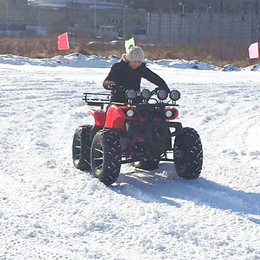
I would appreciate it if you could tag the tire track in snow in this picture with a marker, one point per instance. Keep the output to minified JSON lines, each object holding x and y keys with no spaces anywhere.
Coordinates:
{"x":151,"y":216}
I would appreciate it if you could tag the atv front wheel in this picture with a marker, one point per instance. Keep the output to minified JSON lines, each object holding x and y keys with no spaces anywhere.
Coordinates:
{"x":105,"y":156}
{"x":188,"y":154}
{"x":81,"y":148}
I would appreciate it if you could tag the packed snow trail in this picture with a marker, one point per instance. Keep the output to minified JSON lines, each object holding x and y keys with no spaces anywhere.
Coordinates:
{"x":50,"y":210}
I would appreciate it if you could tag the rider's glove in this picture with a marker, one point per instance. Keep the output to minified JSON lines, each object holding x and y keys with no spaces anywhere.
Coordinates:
{"x":114,"y":86}
{"x":111,"y":86}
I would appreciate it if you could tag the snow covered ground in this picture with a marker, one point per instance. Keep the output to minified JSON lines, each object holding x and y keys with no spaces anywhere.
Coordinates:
{"x":50,"y":210}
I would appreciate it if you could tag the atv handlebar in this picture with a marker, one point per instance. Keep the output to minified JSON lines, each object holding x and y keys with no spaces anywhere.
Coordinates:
{"x":153,"y":92}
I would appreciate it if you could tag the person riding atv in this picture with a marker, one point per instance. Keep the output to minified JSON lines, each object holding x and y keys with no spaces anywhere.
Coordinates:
{"x":127,"y":74}
{"x":134,"y":126}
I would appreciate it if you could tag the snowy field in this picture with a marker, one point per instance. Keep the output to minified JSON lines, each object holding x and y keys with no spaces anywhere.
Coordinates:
{"x":50,"y":210}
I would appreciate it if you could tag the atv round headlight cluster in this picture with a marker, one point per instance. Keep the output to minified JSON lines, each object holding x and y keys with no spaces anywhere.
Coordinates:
{"x":162,"y":94}
{"x":175,"y":95}
{"x":146,"y":94}
{"x":130,"y":94}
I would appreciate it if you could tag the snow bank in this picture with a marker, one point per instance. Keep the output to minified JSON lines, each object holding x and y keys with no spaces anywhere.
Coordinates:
{"x":81,"y":61}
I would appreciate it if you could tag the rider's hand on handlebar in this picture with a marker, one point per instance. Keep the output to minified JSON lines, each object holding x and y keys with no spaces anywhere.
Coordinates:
{"x":115,"y":86}
{"x":111,"y":86}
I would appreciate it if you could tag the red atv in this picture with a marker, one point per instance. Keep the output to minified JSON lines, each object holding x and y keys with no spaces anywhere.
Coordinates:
{"x":140,"y":131}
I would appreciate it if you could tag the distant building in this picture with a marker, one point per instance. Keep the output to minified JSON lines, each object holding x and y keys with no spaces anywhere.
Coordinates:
{"x":105,"y":31}
{"x":87,"y":17}
{"x":93,"y":18}
{"x":13,"y":16}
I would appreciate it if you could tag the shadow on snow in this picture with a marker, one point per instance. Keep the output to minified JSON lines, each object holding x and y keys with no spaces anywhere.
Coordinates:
{"x":164,"y":186}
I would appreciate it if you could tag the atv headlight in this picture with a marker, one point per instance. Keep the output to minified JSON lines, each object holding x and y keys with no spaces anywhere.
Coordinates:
{"x":146,"y":94}
{"x":130,"y":113}
{"x":130,"y":94}
{"x":168,"y":113}
{"x":175,"y":95}
{"x":162,"y":94}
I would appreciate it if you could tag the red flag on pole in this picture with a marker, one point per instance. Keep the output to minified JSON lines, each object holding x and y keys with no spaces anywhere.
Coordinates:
{"x":253,"y":51}
{"x":63,"y":42}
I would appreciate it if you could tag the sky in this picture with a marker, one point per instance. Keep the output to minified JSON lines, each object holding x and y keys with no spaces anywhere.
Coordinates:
{"x":51,"y":210}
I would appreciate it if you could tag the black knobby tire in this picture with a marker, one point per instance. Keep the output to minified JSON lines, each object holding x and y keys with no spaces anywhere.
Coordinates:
{"x":105,"y":156}
{"x":188,"y":156}
{"x":81,"y":147}
{"x":147,"y":165}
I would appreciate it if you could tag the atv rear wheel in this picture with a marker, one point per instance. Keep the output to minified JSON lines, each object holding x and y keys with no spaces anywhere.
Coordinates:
{"x":188,"y":155}
{"x":147,"y":165}
{"x":81,"y":147}
{"x":105,"y":156}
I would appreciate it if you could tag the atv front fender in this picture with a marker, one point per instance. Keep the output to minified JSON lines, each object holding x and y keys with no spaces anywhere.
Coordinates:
{"x":99,"y":116}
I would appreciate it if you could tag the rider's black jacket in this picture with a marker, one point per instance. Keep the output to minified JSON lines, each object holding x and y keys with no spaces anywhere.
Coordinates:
{"x":122,"y":74}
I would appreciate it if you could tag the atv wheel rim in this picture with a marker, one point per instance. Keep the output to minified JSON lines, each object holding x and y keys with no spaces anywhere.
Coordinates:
{"x":98,"y":159}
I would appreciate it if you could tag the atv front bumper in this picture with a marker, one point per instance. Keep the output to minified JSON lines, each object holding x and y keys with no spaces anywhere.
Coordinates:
{"x":146,"y":128}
